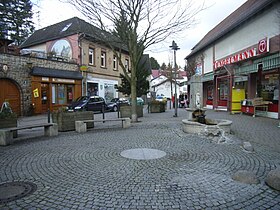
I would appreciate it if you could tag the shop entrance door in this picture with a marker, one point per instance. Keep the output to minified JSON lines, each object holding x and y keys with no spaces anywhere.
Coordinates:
{"x":45,"y":99}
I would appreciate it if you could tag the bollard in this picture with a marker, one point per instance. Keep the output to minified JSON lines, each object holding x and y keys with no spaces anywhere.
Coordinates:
{"x":103,"y":112}
{"x":49,"y":116}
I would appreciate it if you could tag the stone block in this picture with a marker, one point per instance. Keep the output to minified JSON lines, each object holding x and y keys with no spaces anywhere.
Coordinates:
{"x":6,"y":137}
{"x":51,"y":130}
{"x":247,"y":177}
{"x":80,"y":127}
{"x":273,"y":179}
{"x":248,"y":146}
{"x":126,"y":123}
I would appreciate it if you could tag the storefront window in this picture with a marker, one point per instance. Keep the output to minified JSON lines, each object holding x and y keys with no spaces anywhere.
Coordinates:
{"x":210,"y":92}
{"x":62,"y":94}
{"x":92,"y":89}
{"x":109,"y":91}
{"x":270,"y":88}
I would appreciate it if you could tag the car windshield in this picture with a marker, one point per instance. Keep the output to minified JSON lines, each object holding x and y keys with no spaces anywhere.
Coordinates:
{"x":114,"y":100}
{"x":82,"y":98}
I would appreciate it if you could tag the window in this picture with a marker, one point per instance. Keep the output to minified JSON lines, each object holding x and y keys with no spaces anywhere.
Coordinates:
{"x":126,"y":64}
{"x":62,"y":94}
{"x":91,"y":56}
{"x":103,"y":59}
{"x":115,"y":63}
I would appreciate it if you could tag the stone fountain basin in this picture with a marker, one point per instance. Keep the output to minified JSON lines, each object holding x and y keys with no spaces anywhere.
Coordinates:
{"x":191,"y":126}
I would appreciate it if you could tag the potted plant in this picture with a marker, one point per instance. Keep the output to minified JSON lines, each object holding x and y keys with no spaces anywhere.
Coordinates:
{"x":66,"y":120}
{"x":157,"y":106}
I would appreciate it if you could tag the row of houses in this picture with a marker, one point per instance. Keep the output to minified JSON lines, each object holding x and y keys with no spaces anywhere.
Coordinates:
{"x":57,"y":64}
{"x":239,"y":60}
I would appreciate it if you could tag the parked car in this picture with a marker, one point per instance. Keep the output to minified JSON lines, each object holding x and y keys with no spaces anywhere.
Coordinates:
{"x":88,"y":103}
{"x":161,"y":98}
{"x":115,"y":102}
{"x":139,"y":101}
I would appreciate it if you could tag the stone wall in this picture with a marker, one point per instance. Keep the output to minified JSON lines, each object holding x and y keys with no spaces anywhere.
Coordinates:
{"x":19,"y":69}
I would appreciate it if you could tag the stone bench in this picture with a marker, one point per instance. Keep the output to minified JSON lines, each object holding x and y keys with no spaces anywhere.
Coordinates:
{"x":6,"y":134}
{"x":81,"y":127}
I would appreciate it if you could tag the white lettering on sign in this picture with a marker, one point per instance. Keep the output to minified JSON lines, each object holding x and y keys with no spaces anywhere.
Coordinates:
{"x":63,"y":80}
{"x":235,"y":58}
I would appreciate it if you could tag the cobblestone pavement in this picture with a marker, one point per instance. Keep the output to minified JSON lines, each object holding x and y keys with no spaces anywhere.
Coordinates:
{"x":86,"y":171}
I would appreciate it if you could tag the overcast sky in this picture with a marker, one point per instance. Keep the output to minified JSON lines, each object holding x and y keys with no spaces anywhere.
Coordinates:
{"x":48,"y":12}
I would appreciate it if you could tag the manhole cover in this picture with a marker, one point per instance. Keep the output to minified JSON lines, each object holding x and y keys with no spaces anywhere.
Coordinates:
{"x":143,"y":154}
{"x":11,"y":191}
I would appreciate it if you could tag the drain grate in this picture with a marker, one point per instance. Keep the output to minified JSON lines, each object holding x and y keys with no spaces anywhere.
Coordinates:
{"x":11,"y":191}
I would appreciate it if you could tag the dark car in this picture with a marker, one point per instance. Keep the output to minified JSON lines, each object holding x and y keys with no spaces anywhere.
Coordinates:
{"x":88,"y":103}
{"x":115,"y":102}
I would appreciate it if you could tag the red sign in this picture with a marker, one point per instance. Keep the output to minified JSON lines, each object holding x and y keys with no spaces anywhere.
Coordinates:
{"x":263,"y":46}
{"x":235,"y":58}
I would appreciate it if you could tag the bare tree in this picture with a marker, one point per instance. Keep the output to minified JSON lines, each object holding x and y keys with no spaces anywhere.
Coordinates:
{"x":138,"y":24}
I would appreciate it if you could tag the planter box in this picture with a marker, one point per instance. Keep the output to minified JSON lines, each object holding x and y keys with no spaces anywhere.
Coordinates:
{"x":125,"y":111}
{"x":66,"y":120}
{"x":157,"y":107}
{"x":9,"y":123}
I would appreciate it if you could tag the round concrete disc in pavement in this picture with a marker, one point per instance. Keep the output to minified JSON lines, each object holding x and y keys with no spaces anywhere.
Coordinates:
{"x":143,"y":154}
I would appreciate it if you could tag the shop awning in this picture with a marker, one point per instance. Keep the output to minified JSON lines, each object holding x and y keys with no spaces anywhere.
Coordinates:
{"x":271,"y":62}
{"x":208,"y":77}
{"x":268,"y":63}
{"x":57,"y":73}
{"x":244,"y":70}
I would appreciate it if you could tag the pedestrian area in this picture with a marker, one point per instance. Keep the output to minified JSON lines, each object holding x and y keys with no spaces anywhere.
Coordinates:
{"x":151,"y":165}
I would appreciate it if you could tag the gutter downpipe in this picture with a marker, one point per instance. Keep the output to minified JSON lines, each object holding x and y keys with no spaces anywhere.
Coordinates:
{"x":81,"y":59}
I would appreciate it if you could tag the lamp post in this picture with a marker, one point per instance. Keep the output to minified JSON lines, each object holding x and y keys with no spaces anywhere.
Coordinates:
{"x":175,"y":48}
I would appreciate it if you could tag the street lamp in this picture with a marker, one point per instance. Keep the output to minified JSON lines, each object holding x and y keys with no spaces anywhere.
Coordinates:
{"x":175,"y":48}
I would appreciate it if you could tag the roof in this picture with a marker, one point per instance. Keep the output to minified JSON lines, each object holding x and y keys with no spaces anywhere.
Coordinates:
{"x":66,"y":28}
{"x":58,"y":73}
{"x":234,"y":20}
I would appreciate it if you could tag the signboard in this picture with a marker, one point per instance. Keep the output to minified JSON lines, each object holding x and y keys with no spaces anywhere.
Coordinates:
{"x":83,"y":68}
{"x":63,"y":80}
{"x":263,"y":46}
{"x":36,"y":93}
{"x":235,"y":58}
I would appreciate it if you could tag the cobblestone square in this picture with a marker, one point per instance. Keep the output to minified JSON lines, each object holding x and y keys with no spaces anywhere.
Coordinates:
{"x":87,"y":171}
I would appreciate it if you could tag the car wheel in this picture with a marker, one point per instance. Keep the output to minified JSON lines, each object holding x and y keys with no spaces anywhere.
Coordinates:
{"x":115,"y":108}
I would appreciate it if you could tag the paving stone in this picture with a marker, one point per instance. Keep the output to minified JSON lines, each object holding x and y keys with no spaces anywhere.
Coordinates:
{"x":87,"y":169}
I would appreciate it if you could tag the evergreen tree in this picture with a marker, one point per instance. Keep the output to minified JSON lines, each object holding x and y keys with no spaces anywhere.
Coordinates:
{"x":154,"y":63}
{"x":163,"y":66}
{"x":16,"y":20}
{"x":142,"y":72}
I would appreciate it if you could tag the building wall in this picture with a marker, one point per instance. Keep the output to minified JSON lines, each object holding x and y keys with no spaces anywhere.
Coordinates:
{"x":261,"y":26}
{"x":208,"y":60}
{"x":101,"y":76}
{"x":19,"y":69}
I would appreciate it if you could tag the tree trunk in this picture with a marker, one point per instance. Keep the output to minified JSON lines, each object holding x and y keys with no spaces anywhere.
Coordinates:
{"x":133,"y":95}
